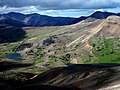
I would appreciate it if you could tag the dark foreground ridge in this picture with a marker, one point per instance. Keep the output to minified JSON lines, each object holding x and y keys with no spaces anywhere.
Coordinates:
{"x":73,"y":77}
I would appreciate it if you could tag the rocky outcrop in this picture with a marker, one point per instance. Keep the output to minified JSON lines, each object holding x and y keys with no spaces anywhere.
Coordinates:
{"x":49,"y":41}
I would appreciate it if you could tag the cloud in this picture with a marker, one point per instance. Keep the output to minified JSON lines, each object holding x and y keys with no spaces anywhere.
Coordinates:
{"x":65,"y":8}
{"x":62,"y":4}
{"x":29,"y":9}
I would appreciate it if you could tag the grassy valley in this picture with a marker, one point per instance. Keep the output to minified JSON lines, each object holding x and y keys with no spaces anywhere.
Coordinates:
{"x":83,"y":42}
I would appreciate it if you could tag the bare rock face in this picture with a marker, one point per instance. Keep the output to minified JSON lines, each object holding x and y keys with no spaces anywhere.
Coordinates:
{"x":111,"y":27}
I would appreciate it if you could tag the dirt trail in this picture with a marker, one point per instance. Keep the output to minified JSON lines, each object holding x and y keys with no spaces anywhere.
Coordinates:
{"x":85,"y":37}
{"x":75,"y":41}
{"x":93,"y":31}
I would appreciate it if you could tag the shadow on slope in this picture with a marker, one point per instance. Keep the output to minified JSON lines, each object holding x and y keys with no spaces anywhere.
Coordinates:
{"x":73,"y":77}
{"x":7,"y":65}
{"x":82,"y":76}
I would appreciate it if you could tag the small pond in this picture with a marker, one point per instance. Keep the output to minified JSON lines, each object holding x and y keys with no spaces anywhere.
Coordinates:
{"x":14,"y":56}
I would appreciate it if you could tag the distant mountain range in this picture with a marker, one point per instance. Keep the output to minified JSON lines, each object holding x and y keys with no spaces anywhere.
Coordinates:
{"x":33,"y":20}
{"x":18,"y":19}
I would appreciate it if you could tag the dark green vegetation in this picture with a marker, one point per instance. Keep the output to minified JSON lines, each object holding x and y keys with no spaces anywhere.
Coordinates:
{"x":10,"y":33}
{"x":106,"y":50}
{"x":7,"y":65}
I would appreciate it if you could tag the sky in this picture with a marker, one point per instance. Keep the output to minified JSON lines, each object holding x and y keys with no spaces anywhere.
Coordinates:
{"x":63,"y":8}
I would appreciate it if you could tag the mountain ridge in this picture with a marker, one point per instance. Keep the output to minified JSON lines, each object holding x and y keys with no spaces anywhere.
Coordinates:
{"x":35,"y":20}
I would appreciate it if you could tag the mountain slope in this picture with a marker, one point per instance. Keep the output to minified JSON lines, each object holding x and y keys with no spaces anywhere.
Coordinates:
{"x":80,"y":41}
{"x":89,"y":41}
{"x":11,"y":21}
{"x":83,"y":42}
